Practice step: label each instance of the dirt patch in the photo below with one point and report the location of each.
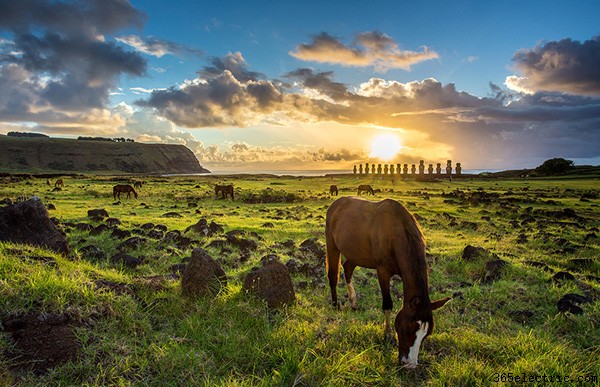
(41, 342)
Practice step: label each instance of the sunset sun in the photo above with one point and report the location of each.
(385, 146)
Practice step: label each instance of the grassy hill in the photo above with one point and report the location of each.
(133, 327)
(49, 155)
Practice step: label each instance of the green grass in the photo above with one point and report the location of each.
(156, 337)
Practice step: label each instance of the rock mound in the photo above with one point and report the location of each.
(271, 283)
(28, 222)
(202, 276)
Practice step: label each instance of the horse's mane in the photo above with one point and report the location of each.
(417, 264)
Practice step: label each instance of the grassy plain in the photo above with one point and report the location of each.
(151, 335)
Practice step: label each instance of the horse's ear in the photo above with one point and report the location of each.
(439, 303)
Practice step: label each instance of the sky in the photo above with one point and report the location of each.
(276, 85)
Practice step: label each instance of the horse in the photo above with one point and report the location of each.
(123, 188)
(137, 184)
(365, 187)
(224, 190)
(333, 190)
(59, 183)
(383, 236)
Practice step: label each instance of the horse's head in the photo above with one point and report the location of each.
(413, 323)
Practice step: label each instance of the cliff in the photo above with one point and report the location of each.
(38, 155)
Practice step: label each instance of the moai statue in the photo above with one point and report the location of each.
(458, 169)
(373, 168)
(405, 170)
(360, 170)
(366, 168)
(391, 169)
(354, 169)
(438, 169)
(430, 169)
(385, 169)
(398, 169)
(449, 168)
(413, 169)
(379, 169)
(421, 167)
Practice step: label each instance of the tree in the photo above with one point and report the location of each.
(555, 166)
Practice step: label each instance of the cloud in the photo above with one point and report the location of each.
(60, 70)
(235, 64)
(219, 98)
(369, 49)
(157, 47)
(74, 18)
(567, 66)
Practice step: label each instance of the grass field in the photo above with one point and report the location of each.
(141, 331)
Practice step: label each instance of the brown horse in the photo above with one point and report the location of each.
(59, 183)
(386, 237)
(365, 187)
(137, 184)
(333, 190)
(123, 188)
(224, 190)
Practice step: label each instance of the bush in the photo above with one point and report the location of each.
(555, 166)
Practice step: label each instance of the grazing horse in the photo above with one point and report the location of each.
(137, 184)
(59, 183)
(123, 188)
(224, 190)
(333, 190)
(386, 237)
(365, 187)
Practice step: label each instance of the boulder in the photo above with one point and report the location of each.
(471, 253)
(98, 213)
(126, 260)
(28, 222)
(202, 276)
(271, 283)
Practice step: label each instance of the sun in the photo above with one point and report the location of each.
(385, 146)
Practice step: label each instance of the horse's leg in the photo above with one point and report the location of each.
(333, 269)
(384, 283)
(348, 270)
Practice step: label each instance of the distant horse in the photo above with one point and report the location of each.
(386, 237)
(365, 187)
(333, 190)
(59, 183)
(224, 190)
(137, 184)
(123, 188)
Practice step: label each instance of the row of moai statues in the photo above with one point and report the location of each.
(390, 169)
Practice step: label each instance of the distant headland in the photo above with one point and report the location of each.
(42, 154)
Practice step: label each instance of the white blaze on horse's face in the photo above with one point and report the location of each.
(413, 352)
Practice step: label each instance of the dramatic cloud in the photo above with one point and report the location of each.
(157, 47)
(58, 69)
(567, 66)
(218, 99)
(369, 49)
(74, 18)
(235, 64)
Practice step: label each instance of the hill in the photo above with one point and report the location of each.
(35, 155)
